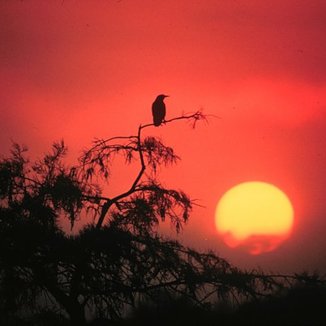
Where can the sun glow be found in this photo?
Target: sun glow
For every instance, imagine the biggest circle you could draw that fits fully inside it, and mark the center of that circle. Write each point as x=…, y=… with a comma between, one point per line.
x=254, y=215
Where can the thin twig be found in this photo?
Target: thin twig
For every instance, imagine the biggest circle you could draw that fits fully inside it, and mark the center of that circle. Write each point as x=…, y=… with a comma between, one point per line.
x=109, y=202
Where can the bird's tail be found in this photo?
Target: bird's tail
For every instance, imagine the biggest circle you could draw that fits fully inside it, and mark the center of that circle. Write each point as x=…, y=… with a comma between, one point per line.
x=157, y=121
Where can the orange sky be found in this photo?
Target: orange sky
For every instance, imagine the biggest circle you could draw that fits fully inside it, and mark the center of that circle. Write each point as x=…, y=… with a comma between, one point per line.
x=83, y=69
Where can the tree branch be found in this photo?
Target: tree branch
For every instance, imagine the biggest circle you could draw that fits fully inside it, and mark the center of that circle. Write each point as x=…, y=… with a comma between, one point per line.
x=195, y=117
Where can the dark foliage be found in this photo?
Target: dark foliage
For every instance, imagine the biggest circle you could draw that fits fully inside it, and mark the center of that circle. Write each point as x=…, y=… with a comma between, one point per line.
x=116, y=264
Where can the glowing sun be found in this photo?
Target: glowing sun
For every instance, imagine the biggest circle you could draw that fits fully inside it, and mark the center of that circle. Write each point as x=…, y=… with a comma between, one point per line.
x=256, y=216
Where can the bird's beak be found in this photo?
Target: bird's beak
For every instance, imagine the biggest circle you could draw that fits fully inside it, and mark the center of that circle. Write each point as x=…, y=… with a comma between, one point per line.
x=166, y=95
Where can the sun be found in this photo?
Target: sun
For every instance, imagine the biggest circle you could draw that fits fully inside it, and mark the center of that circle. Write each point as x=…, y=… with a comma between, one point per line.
x=256, y=216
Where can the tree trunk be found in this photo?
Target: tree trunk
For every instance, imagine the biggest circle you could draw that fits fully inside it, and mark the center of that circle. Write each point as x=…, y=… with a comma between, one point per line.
x=70, y=304
x=77, y=315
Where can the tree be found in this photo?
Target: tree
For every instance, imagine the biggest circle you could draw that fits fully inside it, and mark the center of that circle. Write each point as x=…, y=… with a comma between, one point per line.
x=119, y=260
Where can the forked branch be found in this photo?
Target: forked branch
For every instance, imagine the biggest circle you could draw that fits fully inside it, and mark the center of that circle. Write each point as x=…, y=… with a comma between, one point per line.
x=150, y=152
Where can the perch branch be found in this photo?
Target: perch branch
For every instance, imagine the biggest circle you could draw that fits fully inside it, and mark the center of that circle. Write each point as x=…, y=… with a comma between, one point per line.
x=195, y=117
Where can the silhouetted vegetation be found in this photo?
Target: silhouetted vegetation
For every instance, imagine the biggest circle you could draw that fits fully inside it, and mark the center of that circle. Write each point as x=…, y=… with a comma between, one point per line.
x=120, y=265
x=302, y=304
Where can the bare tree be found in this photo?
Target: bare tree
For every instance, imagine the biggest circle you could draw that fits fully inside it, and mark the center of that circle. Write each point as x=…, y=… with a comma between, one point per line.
x=150, y=153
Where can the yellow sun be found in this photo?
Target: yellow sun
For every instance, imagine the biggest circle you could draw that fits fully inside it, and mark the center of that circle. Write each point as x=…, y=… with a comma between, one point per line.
x=254, y=215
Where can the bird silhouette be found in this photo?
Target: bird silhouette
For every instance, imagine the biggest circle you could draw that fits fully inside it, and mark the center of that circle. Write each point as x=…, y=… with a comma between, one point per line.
x=158, y=110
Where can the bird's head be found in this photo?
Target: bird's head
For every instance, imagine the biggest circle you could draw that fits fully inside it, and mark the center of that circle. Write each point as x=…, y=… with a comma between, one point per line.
x=161, y=97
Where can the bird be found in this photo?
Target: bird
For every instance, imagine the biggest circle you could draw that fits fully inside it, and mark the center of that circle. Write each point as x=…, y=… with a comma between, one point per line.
x=158, y=110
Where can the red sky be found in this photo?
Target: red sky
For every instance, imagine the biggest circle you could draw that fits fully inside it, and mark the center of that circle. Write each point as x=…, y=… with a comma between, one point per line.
x=83, y=69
